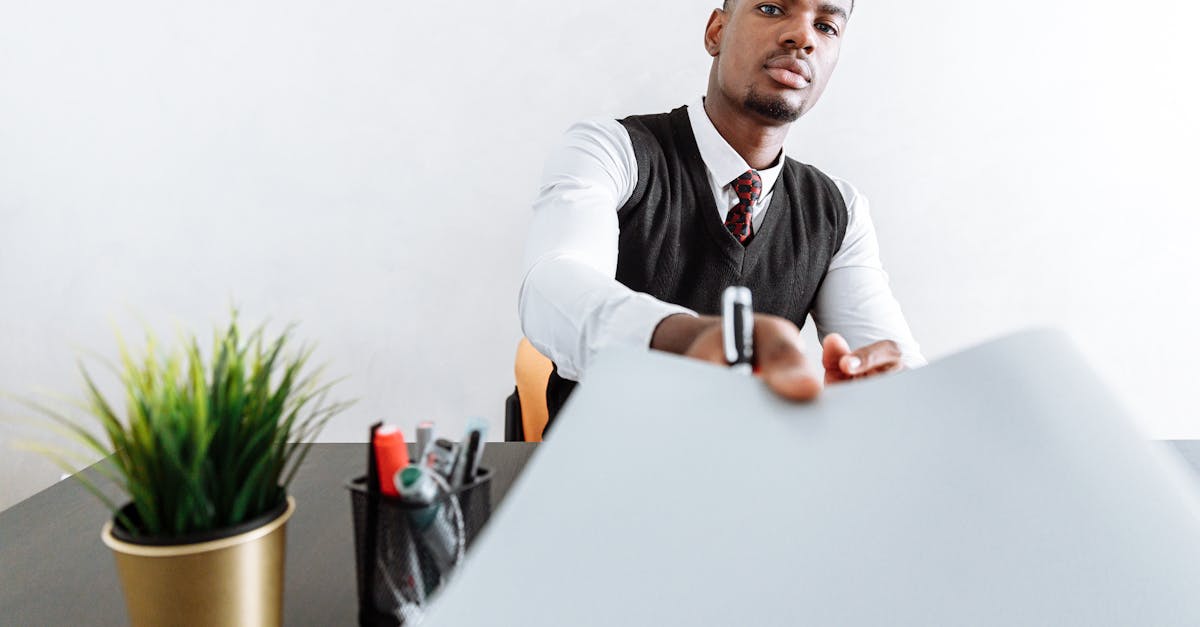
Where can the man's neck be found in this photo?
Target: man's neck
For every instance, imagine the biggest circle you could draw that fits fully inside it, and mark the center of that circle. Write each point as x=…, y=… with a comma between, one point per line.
x=759, y=144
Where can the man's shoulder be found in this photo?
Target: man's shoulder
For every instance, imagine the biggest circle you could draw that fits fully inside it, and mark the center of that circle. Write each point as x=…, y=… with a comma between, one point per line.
x=596, y=126
x=600, y=137
x=663, y=132
x=621, y=125
x=645, y=119
x=850, y=193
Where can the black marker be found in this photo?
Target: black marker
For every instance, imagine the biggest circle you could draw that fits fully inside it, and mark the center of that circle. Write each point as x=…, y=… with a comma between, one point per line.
x=476, y=437
x=737, y=332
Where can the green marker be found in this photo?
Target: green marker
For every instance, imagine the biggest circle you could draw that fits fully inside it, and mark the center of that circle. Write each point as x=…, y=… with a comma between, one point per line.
x=417, y=488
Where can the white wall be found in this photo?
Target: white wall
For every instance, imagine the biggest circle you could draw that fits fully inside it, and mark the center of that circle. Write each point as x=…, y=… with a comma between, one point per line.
x=365, y=168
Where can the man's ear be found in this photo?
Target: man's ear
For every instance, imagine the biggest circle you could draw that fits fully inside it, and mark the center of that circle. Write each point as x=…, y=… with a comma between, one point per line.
x=714, y=31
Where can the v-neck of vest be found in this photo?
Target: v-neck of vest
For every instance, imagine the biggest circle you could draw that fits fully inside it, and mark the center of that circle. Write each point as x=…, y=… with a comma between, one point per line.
x=742, y=255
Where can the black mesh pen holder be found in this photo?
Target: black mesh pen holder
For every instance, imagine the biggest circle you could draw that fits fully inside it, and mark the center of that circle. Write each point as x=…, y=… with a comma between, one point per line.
x=403, y=552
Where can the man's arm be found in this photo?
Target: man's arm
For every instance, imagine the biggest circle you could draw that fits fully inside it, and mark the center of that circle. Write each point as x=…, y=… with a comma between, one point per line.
x=570, y=303
x=862, y=328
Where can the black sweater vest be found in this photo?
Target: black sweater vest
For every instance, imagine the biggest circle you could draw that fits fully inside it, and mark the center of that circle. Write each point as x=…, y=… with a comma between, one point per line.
x=674, y=246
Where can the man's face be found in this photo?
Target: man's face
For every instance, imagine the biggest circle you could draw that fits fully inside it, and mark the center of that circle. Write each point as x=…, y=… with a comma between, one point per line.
x=774, y=58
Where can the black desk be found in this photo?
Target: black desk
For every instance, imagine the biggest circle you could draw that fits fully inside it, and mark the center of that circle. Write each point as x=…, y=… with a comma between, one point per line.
x=54, y=570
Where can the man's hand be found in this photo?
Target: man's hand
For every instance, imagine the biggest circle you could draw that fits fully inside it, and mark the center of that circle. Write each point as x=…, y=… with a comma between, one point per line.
x=778, y=350
x=842, y=364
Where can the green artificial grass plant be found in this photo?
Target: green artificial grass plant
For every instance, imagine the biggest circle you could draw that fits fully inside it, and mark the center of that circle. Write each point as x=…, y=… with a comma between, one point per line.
x=203, y=445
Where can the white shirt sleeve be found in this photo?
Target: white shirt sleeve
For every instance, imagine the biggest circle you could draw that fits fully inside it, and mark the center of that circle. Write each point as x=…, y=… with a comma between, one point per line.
x=570, y=302
x=855, y=299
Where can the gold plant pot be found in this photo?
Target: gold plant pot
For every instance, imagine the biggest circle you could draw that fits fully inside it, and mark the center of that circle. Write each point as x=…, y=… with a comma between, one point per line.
x=235, y=580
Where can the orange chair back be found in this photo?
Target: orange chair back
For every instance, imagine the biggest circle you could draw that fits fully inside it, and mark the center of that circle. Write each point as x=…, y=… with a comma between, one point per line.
x=532, y=371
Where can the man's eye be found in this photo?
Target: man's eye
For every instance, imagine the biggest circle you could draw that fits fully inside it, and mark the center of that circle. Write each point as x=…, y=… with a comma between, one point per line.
x=770, y=9
x=828, y=29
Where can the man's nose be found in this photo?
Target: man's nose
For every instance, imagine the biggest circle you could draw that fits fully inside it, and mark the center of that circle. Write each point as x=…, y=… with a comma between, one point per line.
x=799, y=34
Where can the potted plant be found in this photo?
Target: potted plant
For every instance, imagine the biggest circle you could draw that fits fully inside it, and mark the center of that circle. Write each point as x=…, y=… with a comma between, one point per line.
x=204, y=450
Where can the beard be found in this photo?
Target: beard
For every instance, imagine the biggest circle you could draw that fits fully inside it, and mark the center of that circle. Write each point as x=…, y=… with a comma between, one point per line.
x=771, y=107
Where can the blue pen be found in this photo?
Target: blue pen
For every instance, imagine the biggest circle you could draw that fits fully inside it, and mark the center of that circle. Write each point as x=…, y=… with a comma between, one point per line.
x=737, y=328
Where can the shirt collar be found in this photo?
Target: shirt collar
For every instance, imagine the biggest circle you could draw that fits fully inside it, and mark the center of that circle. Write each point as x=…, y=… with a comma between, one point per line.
x=723, y=162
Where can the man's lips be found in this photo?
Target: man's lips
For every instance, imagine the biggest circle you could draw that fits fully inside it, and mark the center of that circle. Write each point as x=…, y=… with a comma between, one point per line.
x=789, y=71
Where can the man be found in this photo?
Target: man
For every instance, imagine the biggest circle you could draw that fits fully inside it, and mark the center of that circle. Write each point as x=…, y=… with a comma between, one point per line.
x=641, y=223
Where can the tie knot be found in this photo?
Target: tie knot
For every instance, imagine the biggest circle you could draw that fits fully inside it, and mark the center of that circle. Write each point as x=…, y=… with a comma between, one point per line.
x=748, y=187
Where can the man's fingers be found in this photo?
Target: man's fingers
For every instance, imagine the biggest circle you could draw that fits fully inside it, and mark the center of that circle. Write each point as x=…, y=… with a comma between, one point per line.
x=795, y=383
x=782, y=364
x=778, y=345
x=832, y=350
x=708, y=346
x=778, y=356
x=874, y=358
x=785, y=370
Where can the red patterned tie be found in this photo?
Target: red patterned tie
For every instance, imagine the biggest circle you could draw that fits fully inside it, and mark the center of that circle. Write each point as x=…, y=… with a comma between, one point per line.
x=748, y=188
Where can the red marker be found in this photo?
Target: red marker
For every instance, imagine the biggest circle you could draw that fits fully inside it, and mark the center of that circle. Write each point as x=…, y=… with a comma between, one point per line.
x=391, y=456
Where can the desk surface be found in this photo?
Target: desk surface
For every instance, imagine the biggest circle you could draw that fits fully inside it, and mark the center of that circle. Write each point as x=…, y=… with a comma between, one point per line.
x=55, y=571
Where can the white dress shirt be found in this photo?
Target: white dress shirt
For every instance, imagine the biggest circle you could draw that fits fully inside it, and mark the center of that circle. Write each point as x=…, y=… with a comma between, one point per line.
x=571, y=304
